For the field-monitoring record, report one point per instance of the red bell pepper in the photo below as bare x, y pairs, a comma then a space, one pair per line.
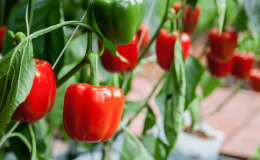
42, 96
113, 64
218, 67
223, 45
190, 16
92, 114
165, 47
144, 28
243, 63
2, 36
254, 79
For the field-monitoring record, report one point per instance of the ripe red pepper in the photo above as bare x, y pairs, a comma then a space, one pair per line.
92, 114
42, 96
113, 64
223, 45
243, 63
218, 67
190, 16
254, 79
2, 36
165, 47
144, 28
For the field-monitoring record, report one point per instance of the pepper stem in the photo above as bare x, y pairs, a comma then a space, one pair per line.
93, 59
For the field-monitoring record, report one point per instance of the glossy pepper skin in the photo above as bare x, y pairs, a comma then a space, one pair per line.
119, 20
243, 63
146, 39
218, 67
114, 64
165, 47
223, 45
42, 96
191, 16
254, 79
92, 114
2, 36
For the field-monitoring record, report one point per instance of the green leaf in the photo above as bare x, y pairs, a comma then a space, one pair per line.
221, 5
175, 100
257, 153
149, 142
252, 11
150, 120
46, 13
133, 148
161, 99
16, 78
209, 84
131, 107
161, 150
192, 3
194, 108
194, 72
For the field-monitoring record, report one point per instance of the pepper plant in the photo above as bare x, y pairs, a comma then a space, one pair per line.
68, 65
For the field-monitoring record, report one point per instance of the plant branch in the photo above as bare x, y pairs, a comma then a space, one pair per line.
165, 18
73, 71
224, 102
33, 151
30, 12
8, 133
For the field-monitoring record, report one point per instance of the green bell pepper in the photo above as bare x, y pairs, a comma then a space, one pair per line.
119, 20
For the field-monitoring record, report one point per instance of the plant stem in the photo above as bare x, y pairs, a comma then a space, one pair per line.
73, 71
93, 58
8, 133
165, 18
30, 13
89, 20
33, 151
145, 105
224, 102
106, 150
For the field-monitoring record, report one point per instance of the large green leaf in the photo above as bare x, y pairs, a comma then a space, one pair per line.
46, 13
175, 100
194, 108
194, 72
209, 84
161, 150
16, 78
133, 148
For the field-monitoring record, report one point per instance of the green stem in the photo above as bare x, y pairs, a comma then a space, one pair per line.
140, 109
89, 20
106, 150
165, 18
73, 71
93, 59
30, 12
8, 134
33, 151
